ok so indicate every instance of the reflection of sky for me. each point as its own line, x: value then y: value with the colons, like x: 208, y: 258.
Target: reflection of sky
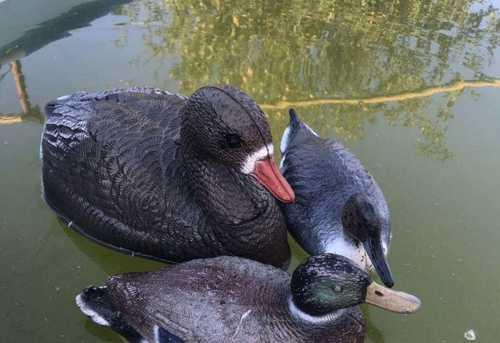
x: 16, y: 17
x: 477, y: 6
x: 460, y: 54
x: 88, y: 60
x: 492, y: 68
x: 436, y: 53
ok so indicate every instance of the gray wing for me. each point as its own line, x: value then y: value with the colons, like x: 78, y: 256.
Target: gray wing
x: 318, y: 169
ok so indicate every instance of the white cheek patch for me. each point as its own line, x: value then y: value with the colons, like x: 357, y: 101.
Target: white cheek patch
x: 96, y: 317
x: 285, y: 139
x: 249, y: 164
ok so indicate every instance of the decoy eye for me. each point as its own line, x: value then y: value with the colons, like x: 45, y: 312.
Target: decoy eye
x: 233, y: 140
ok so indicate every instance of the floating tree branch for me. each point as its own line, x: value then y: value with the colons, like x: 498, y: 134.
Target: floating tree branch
x: 426, y: 92
x: 10, y: 119
x: 282, y: 105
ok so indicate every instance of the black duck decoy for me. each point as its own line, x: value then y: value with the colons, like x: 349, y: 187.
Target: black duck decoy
x: 339, y: 206
x: 231, y: 299
x: 165, y: 176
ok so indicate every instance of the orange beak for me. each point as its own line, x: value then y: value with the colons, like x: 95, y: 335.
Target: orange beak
x: 267, y: 173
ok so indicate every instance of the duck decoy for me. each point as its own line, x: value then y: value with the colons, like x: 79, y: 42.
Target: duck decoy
x: 231, y: 299
x: 339, y: 207
x: 165, y: 176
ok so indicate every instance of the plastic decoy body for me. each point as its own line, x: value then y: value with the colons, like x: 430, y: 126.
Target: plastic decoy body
x: 165, y: 176
x: 339, y: 207
x: 230, y: 299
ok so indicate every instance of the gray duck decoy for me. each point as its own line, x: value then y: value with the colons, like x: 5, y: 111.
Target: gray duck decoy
x: 339, y: 207
x: 165, y: 176
x: 231, y: 299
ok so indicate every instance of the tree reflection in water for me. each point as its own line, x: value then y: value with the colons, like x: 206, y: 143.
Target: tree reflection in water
x: 302, y: 50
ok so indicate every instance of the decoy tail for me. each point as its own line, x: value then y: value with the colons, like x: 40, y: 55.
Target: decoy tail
x: 65, y: 105
x: 290, y: 130
x: 95, y: 303
x: 294, y: 118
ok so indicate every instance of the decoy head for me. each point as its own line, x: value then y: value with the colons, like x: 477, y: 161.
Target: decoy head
x: 225, y: 125
x: 328, y: 282
x: 363, y: 224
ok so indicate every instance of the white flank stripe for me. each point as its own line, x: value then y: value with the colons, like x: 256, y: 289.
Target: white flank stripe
x: 285, y: 140
x: 249, y: 164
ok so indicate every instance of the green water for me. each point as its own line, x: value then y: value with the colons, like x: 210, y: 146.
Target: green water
x: 434, y: 148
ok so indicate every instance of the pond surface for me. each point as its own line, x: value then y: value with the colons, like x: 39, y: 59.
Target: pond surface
x: 409, y: 86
